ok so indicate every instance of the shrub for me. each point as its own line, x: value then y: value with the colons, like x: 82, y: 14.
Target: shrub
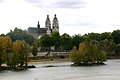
x: 88, y: 53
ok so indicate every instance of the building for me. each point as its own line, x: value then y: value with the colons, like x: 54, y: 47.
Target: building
x: 37, y: 32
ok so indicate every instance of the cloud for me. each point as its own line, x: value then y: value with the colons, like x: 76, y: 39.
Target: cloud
x: 34, y: 1
x: 58, y: 3
x: 69, y: 4
x: 78, y: 22
x: 1, y: 0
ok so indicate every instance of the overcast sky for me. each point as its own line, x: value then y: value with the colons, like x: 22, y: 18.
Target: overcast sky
x: 75, y: 16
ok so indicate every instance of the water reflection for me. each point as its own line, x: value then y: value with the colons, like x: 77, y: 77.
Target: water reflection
x: 63, y: 71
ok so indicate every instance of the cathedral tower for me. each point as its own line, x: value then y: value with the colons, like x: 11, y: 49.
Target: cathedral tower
x: 38, y: 25
x: 55, y: 24
x: 48, y: 25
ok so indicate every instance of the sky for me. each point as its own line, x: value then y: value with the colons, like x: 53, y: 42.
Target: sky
x: 75, y: 16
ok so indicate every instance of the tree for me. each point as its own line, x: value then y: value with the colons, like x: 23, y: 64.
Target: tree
x: 75, y: 56
x: 76, y: 40
x: 56, y: 40
x: 108, y: 46
x: 35, y: 47
x: 117, y: 50
x: 94, y: 36
x: 106, y: 35
x: 116, y: 36
x: 19, y: 34
x: 46, y: 41
x: 66, y: 42
x: 21, y: 50
x: 89, y: 53
x: 5, y: 44
x: 26, y: 52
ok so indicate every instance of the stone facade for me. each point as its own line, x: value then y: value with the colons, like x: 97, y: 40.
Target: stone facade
x: 37, y: 32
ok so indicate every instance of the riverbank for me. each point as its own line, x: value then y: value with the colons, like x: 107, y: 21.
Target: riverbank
x: 87, y: 64
x: 16, y: 68
x: 38, y: 61
x: 111, y: 71
x: 32, y: 62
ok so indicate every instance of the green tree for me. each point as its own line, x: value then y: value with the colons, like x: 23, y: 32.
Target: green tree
x: 5, y: 44
x: 106, y: 35
x: 66, y: 42
x: 46, y: 41
x: 89, y: 53
x: 14, y: 61
x: 35, y: 47
x: 19, y: 34
x: 26, y: 49
x: 21, y: 50
x: 75, y: 56
x: 108, y: 46
x: 76, y: 40
x: 117, y: 50
x: 94, y: 36
x: 56, y: 40
x: 116, y: 36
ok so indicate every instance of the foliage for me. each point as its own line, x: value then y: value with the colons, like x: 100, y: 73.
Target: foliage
x: 108, y: 46
x: 21, y: 50
x: 76, y: 40
x: 74, y: 55
x: 89, y: 52
x: 19, y: 34
x: 117, y: 50
x: 13, y: 53
x: 46, y: 41
x: 93, y: 47
x: 56, y: 39
x: 106, y: 35
x: 5, y: 44
x: 94, y: 36
x: 62, y: 57
x: 116, y: 36
x: 66, y: 42
x: 35, y: 47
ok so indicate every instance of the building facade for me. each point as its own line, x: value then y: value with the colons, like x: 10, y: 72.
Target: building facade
x: 50, y: 27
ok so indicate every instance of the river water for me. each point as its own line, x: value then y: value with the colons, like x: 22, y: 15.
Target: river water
x: 63, y: 71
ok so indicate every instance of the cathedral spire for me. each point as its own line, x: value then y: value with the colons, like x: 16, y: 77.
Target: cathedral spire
x: 55, y: 24
x: 47, y: 19
x: 55, y: 18
x: 48, y: 23
x: 55, y: 15
x: 38, y: 25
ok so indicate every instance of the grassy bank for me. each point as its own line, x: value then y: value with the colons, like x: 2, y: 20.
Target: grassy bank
x: 47, y: 60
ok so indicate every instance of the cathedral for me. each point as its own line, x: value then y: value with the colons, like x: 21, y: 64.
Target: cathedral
x: 37, y: 32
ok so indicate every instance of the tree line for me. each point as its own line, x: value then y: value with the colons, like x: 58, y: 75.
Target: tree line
x: 15, y: 48
x: 13, y: 54
x: 91, y: 48
x: 17, y: 44
x: 108, y: 41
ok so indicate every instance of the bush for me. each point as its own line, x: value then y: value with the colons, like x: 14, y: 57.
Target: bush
x: 117, y: 50
x: 62, y: 57
x: 88, y: 53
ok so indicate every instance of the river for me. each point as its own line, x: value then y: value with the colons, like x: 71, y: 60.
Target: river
x: 63, y: 71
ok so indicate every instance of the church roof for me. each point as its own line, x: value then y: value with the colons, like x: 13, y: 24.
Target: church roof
x: 37, y: 31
